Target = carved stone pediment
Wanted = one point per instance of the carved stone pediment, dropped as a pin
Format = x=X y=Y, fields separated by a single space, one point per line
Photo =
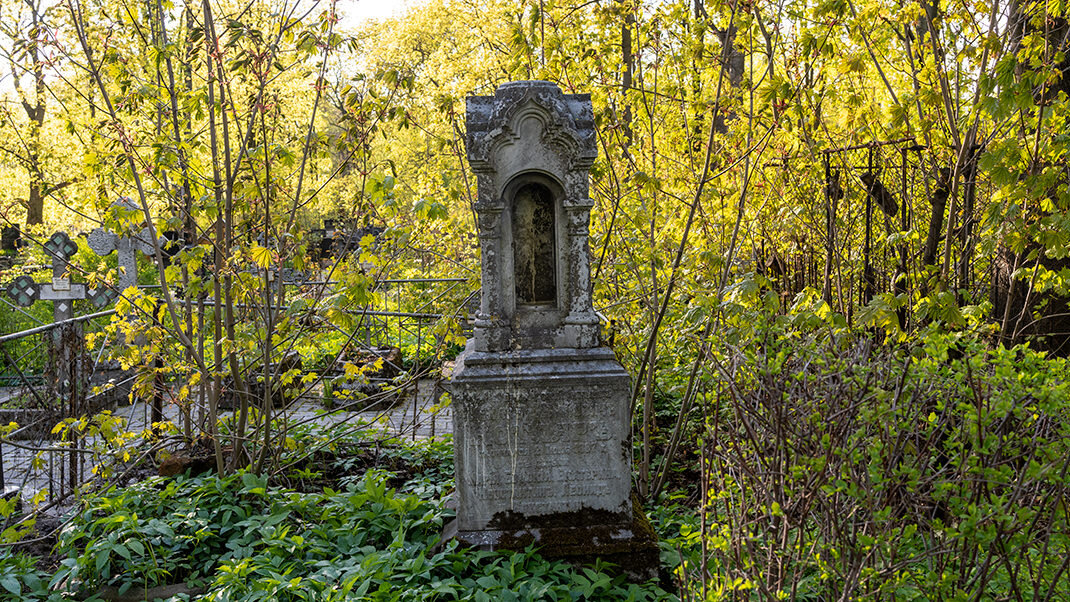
x=535 y=113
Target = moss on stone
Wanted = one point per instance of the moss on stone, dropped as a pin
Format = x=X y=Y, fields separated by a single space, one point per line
x=624 y=539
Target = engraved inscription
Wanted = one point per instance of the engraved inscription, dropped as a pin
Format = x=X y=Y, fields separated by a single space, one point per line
x=511 y=461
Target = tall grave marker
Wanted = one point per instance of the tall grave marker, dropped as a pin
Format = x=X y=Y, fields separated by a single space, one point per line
x=67 y=361
x=541 y=433
x=103 y=242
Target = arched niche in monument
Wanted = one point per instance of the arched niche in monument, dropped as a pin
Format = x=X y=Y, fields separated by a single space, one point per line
x=533 y=216
x=534 y=235
x=531 y=148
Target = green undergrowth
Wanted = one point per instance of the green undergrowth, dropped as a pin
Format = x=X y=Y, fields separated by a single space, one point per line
x=374 y=537
x=848 y=466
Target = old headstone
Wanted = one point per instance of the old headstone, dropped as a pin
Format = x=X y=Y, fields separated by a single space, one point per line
x=66 y=368
x=126 y=247
x=66 y=364
x=60 y=291
x=541 y=417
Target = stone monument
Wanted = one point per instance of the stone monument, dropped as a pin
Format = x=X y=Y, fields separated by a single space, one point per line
x=66 y=374
x=541 y=417
x=104 y=242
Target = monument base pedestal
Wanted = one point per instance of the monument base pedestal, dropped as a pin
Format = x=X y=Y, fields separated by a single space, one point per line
x=543 y=457
x=581 y=538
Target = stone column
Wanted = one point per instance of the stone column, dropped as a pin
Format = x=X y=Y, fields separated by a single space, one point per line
x=491 y=330
x=581 y=323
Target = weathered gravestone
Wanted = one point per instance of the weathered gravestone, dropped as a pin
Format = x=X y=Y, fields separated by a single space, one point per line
x=67 y=367
x=103 y=242
x=541 y=433
x=126 y=247
x=67 y=363
x=67 y=378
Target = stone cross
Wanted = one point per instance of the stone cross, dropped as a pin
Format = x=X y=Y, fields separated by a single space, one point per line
x=60 y=291
x=67 y=359
x=104 y=242
x=67 y=349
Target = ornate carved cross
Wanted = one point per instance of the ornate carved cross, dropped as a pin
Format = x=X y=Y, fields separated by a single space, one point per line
x=67 y=349
x=60 y=291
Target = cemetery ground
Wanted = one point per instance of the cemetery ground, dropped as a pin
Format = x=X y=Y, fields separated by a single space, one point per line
x=814 y=462
x=356 y=512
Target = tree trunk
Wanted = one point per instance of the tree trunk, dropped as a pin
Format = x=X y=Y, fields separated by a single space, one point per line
x=628 y=60
x=733 y=69
x=35 y=204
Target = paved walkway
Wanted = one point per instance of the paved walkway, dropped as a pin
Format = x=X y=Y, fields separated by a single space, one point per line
x=42 y=465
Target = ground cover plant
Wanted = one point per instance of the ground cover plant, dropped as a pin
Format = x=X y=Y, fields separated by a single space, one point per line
x=372 y=536
x=831 y=465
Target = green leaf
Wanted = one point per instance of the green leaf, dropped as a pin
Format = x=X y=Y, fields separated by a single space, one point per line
x=122 y=550
x=253 y=483
x=11 y=584
x=136 y=547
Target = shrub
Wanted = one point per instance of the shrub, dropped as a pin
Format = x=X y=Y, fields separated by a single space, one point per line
x=840 y=470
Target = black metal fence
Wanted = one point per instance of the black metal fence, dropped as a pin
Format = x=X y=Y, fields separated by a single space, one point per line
x=47 y=465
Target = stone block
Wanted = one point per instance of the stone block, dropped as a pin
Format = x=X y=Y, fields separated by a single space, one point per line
x=540 y=432
x=543 y=457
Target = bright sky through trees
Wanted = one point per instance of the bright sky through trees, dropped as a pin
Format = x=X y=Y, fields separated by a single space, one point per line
x=353 y=12
x=356 y=11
